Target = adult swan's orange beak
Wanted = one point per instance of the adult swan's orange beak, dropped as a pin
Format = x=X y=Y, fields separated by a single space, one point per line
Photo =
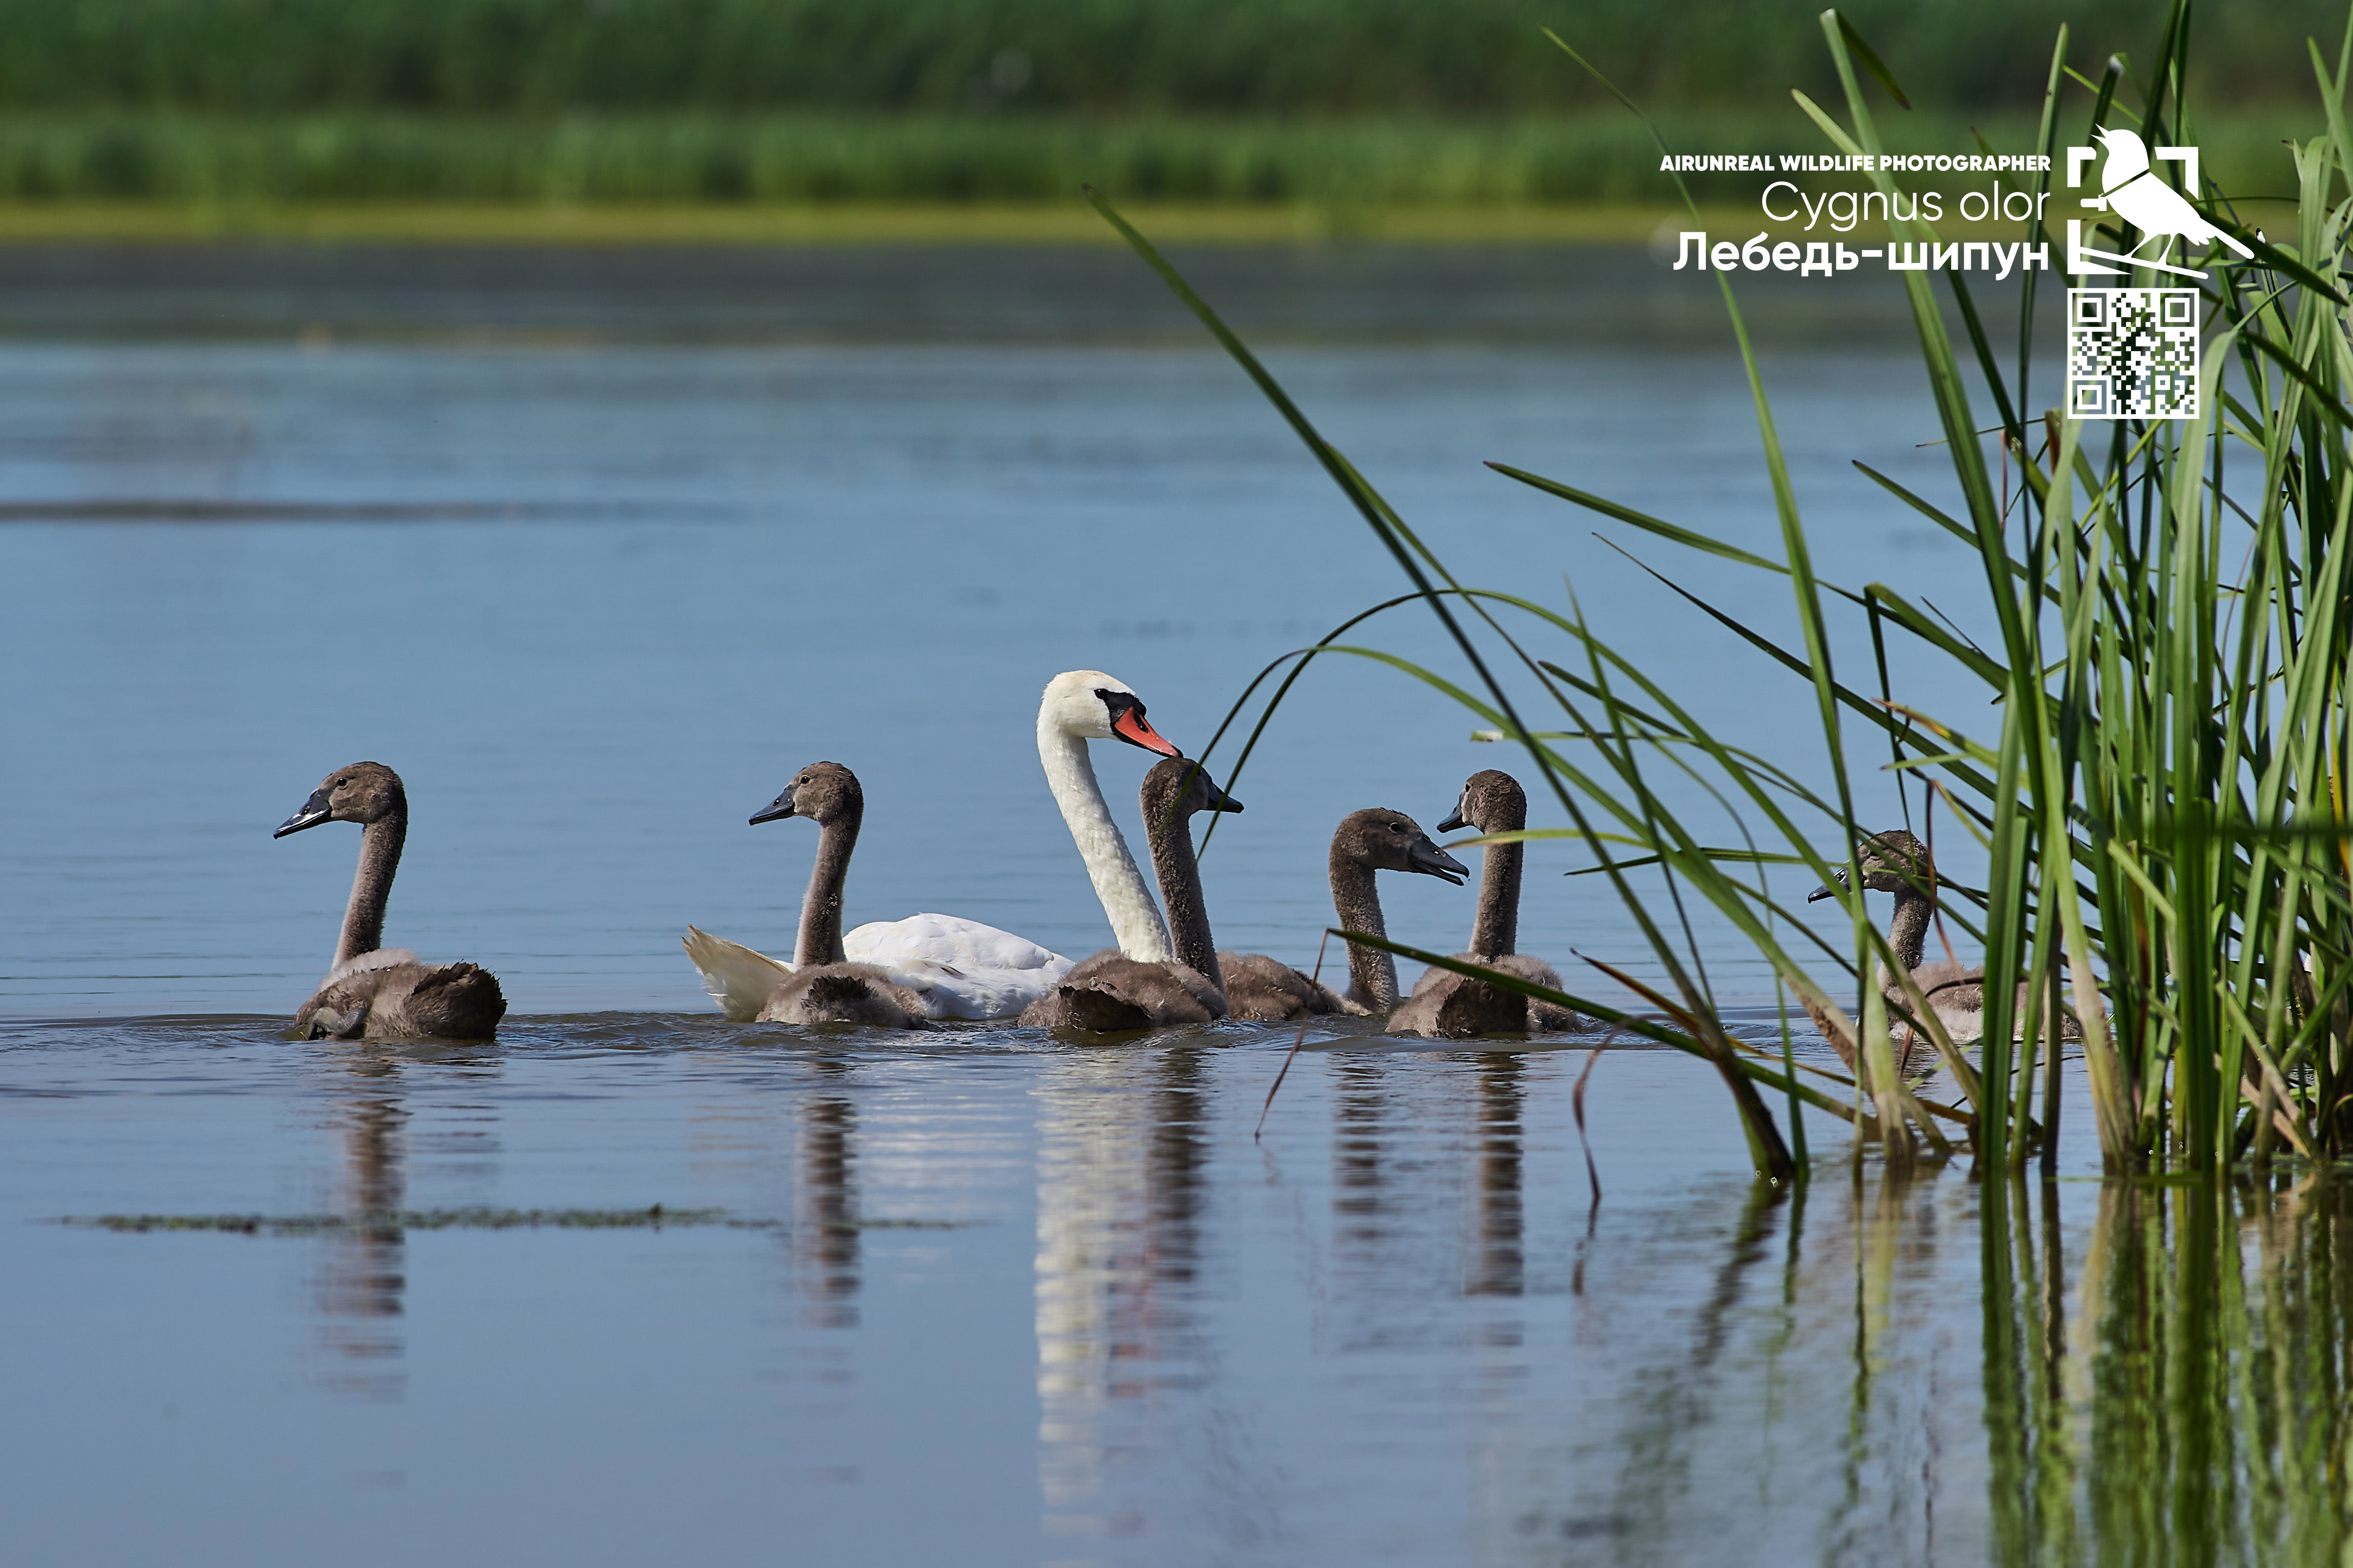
x=1128 y=722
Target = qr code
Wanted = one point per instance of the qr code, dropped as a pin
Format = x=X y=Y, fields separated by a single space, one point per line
x=2132 y=353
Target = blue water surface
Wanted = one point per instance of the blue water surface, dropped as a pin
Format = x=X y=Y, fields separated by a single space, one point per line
x=596 y=551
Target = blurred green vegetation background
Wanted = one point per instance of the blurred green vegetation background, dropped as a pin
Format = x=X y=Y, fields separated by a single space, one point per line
x=1217 y=101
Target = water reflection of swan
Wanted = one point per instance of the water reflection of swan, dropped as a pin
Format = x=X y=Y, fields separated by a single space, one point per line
x=1362 y=1221
x=1122 y=1189
x=364 y=1276
x=825 y=1235
x=1501 y=1258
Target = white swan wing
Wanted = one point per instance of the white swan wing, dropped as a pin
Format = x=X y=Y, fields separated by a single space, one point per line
x=738 y=979
x=950 y=940
x=961 y=968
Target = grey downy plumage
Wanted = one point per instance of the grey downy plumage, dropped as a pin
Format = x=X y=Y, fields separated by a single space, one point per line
x=1368 y=841
x=1256 y=987
x=824 y=987
x=372 y=991
x=1447 y=1005
x=1894 y=861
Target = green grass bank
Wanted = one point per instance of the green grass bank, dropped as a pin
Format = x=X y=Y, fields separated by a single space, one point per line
x=1098 y=58
x=1365 y=172
x=945 y=118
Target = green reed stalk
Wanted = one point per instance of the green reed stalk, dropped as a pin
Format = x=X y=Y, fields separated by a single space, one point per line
x=2172 y=736
x=2163 y=803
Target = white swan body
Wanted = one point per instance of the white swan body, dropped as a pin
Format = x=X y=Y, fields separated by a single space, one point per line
x=959 y=968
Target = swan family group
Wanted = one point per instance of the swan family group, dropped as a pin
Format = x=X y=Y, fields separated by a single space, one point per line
x=927 y=968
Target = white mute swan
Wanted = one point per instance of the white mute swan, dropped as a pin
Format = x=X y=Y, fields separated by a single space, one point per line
x=1139 y=984
x=1452 y=1006
x=378 y=993
x=1112 y=990
x=1079 y=706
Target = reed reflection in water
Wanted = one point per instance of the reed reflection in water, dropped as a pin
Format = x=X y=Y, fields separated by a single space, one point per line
x=2185 y=1402
x=1799 y=1370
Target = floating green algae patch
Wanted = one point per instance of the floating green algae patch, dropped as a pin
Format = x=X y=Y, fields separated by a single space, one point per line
x=655 y=1217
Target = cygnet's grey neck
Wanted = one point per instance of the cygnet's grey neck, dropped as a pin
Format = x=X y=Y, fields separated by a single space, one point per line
x=1178 y=871
x=1372 y=974
x=820 y=937
x=1907 y=933
x=380 y=843
x=1496 y=931
x=1136 y=920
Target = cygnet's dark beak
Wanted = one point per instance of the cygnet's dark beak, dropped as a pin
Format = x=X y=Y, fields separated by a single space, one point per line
x=1453 y=823
x=779 y=807
x=1219 y=799
x=1829 y=890
x=315 y=811
x=1431 y=861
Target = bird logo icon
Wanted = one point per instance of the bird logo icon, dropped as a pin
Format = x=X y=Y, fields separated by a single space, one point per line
x=2135 y=352
x=2156 y=208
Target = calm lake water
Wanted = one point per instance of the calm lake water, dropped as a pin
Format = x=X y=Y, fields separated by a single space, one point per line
x=597 y=549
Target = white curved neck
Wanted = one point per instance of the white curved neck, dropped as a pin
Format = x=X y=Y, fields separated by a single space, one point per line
x=1135 y=922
